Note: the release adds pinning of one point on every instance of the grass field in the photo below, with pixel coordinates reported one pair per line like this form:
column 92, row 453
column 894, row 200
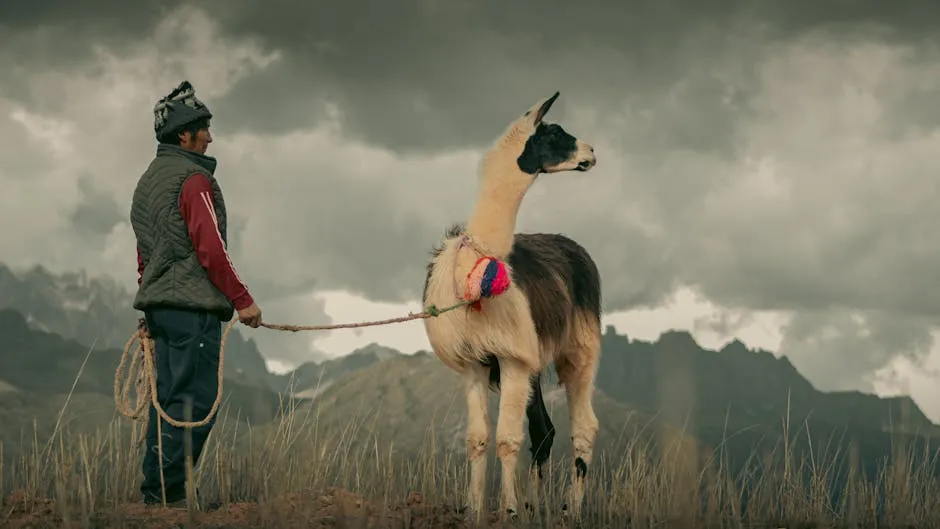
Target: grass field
column 292, row 474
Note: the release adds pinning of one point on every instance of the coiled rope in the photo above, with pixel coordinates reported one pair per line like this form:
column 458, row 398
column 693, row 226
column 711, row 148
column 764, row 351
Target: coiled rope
column 146, row 380
column 142, row 360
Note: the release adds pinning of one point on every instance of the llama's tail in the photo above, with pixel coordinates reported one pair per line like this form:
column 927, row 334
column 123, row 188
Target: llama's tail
column 541, row 429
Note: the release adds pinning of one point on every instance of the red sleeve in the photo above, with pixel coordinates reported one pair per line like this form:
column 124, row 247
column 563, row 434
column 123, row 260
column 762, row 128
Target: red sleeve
column 196, row 206
column 140, row 267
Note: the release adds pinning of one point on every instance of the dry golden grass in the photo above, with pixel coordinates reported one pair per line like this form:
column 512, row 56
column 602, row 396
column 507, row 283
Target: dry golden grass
column 291, row 474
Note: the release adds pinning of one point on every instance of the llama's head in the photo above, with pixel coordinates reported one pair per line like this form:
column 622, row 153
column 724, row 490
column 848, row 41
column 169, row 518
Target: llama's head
column 545, row 147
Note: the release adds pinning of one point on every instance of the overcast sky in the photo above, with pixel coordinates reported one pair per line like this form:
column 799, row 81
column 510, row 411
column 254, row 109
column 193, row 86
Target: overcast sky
column 767, row 171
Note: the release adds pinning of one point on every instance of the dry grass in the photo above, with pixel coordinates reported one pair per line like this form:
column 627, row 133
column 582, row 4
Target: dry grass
column 291, row 474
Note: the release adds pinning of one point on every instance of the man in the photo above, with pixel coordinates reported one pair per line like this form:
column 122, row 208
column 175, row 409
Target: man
column 187, row 285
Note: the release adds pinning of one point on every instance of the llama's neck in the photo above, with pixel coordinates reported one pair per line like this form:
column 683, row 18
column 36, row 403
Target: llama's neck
column 493, row 221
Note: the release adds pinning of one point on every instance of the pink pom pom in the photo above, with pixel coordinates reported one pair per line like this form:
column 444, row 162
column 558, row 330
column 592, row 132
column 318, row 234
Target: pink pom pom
column 489, row 277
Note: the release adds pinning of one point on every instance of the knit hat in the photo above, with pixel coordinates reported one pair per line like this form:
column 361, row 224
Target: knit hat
column 178, row 108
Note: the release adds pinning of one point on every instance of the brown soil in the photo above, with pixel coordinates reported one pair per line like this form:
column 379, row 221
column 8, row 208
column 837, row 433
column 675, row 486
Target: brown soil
column 332, row 508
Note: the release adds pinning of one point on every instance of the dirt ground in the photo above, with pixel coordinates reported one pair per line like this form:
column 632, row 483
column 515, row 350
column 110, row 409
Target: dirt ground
column 331, row 508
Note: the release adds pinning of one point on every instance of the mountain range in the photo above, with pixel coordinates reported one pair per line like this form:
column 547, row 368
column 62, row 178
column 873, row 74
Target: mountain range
column 55, row 327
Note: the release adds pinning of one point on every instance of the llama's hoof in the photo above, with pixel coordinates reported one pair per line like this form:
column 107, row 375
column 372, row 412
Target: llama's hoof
column 529, row 507
column 568, row 518
column 512, row 515
column 461, row 509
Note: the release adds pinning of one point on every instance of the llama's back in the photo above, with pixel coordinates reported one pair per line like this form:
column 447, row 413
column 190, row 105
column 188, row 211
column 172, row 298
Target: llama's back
column 561, row 281
column 536, row 258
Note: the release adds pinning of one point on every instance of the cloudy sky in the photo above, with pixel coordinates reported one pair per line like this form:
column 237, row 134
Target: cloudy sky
column 766, row 170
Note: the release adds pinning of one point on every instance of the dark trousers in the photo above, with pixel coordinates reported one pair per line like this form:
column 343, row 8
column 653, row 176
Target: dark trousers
column 186, row 345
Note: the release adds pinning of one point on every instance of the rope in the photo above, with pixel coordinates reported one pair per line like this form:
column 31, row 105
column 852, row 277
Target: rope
column 146, row 380
column 143, row 359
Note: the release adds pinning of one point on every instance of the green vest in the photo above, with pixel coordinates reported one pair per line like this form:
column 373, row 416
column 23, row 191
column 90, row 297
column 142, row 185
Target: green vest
column 173, row 276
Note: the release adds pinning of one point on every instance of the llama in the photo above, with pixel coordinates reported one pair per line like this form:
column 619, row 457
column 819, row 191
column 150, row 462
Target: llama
column 549, row 313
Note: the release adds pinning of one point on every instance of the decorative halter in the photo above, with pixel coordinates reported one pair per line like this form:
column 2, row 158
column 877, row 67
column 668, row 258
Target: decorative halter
column 488, row 278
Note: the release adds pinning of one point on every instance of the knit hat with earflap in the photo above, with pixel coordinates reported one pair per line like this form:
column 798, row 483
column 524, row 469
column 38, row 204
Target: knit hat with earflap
column 178, row 108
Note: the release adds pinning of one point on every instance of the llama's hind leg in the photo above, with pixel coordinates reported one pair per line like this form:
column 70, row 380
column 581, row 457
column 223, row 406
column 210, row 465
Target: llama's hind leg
column 513, row 397
column 475, row 381
column 541, row 435
column 576, row 371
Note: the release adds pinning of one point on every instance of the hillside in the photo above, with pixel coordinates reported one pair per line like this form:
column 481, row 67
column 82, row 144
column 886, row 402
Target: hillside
column 673, row 378
column 706, row 392
column 678, row 378
column 733, row 397
column 38, row 370
column 382, row 423
column 72, row 305
column 99, row 311
column 412, row 403
column 407, row 401
column 311, row 378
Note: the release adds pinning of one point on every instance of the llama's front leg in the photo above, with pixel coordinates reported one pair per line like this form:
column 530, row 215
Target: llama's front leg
column 475, row 380
column 513, row 396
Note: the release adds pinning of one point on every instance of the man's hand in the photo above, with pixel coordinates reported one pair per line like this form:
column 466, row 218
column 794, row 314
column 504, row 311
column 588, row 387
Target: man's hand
column 250, row 316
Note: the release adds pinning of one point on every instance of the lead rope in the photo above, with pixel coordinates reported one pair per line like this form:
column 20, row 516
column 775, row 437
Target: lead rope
column 145, row 380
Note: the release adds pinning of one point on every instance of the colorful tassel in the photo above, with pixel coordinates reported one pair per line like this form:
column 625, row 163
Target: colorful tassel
column 488, row 278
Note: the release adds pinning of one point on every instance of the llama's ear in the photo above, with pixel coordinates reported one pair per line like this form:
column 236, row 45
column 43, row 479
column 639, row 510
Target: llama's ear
column 539, row 110
column 543, row 109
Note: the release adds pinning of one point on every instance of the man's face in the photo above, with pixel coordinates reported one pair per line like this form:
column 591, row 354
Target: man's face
column 198, row 142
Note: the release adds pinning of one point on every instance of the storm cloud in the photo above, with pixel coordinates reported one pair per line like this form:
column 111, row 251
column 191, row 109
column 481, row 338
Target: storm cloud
column 771, row 157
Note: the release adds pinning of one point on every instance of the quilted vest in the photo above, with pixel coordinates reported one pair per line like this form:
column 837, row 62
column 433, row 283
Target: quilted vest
column 173, row 276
